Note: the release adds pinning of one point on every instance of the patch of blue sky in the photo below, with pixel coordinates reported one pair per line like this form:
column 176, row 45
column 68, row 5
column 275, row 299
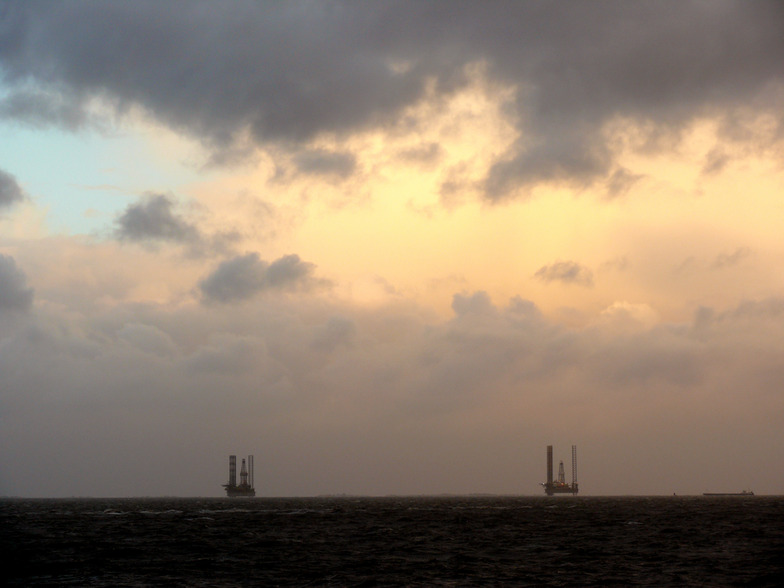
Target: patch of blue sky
column 84, row 179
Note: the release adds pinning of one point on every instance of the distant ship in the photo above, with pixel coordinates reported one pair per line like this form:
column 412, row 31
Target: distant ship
column 744, row 493
column 245, row 487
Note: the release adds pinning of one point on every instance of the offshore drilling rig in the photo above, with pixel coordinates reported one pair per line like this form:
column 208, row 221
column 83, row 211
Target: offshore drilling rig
column 560, row 486
column 245, row 487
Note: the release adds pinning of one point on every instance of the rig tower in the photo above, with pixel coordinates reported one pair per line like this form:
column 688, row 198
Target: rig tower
column 245, row 487
column 560, row 486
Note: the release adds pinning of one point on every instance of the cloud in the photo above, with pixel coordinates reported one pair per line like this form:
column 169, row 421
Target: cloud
column 147, row 338
column 369, row 402
column 657, row 357
column 478, row 303
column 619, row 264
column 715, row 162
column 621, row 181
column 244, row 276
column 226, row 354
column 624, row 315
column 568, row 272
column 425, row 154
column 724, row 260
column 321, row 162
column 10, row 191
column 338, row 331
column 288, row 73
column 43, row 108
column 14, row 293
column 152, row 219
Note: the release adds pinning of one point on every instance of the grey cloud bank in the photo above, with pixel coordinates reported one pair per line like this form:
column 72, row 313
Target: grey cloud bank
column 332, row 399
column 287, row 72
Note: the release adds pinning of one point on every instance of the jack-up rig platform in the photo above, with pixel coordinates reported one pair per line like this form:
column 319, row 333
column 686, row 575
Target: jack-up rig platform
column 245, row 487
column 560, row 486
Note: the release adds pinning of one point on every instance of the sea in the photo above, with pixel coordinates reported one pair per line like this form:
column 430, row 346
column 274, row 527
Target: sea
column 394, row 541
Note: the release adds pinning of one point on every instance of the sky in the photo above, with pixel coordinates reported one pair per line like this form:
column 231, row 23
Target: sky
column 391, row 247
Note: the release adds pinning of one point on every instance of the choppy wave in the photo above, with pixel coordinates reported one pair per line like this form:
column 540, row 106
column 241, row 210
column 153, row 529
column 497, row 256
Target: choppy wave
column 422, row 541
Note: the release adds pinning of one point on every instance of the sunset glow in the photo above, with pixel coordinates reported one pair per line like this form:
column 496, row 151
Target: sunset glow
column 397, row 256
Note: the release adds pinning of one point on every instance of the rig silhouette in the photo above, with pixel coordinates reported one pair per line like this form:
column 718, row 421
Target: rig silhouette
column 245, row 487
column 560, row 486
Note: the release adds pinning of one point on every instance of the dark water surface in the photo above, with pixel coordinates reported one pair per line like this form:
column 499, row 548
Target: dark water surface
column 451, row 541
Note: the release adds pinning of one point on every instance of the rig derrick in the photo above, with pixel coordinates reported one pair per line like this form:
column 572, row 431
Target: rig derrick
column 560, row 486
column 245, row 487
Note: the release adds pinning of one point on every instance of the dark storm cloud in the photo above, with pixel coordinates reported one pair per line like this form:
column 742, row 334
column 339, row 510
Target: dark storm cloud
column 569, row 272
column 152, row 219
column 289, row 71
column 244, row 276
column 14, row 293
column 10, row 192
